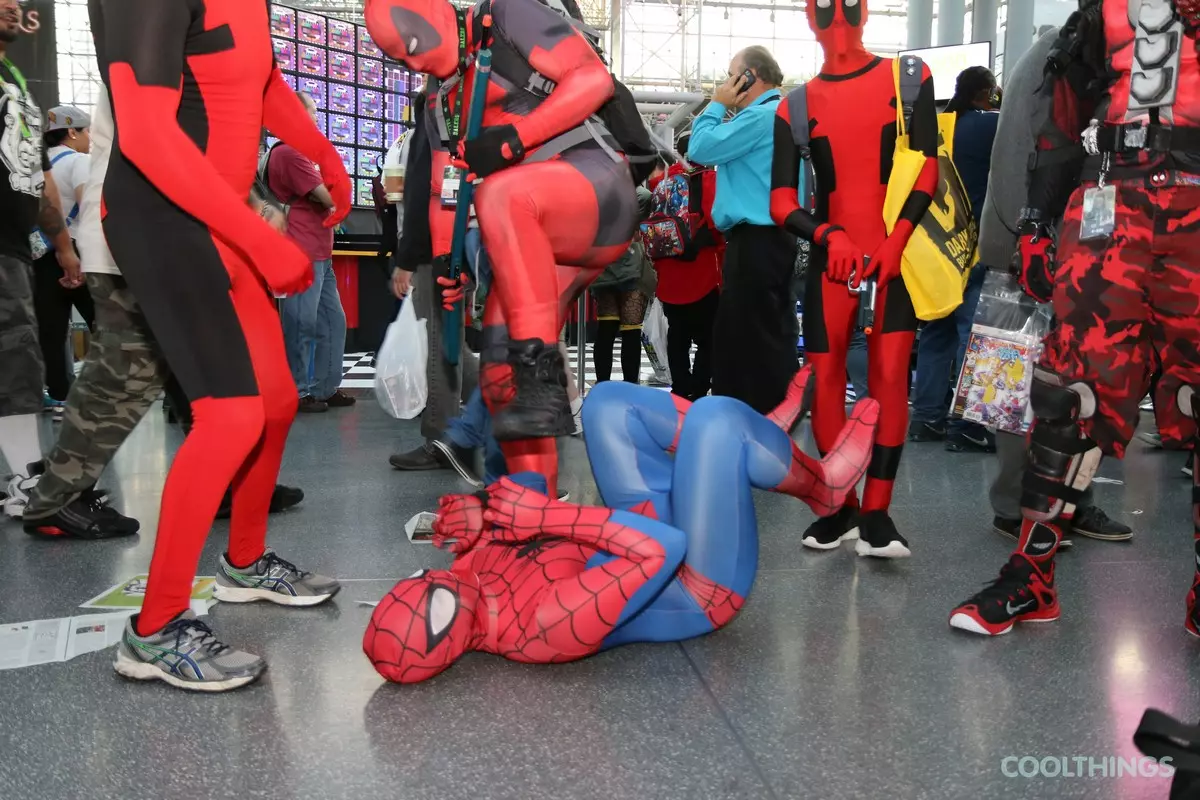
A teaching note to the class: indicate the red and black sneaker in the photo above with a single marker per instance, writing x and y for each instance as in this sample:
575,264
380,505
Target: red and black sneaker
86,517
1022,593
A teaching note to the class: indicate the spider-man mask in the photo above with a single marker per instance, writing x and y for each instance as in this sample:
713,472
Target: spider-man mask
422,626
838,24
421,34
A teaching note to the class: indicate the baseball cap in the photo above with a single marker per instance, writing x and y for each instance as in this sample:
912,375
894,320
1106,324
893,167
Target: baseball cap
61,118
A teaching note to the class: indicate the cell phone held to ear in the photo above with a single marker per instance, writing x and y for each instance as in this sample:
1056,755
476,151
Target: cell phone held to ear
751,79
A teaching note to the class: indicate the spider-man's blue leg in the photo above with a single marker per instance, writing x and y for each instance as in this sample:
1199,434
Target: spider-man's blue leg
628,430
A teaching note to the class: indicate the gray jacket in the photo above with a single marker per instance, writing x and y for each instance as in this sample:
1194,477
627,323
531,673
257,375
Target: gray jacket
1008,184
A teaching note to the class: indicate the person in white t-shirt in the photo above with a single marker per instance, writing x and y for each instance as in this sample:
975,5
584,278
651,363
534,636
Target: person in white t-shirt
67,139
122,376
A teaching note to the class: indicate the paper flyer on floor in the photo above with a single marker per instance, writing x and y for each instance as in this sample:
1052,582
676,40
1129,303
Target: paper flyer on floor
48,641
130,593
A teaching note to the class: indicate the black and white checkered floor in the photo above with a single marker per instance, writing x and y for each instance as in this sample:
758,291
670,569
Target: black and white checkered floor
359,374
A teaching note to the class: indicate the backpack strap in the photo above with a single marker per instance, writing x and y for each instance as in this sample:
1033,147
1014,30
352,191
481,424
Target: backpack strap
912,74
797,100
61,156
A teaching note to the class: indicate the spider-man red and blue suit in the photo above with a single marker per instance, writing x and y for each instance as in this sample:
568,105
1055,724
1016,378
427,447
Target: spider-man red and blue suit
1118,161
673,555
850,127
555,201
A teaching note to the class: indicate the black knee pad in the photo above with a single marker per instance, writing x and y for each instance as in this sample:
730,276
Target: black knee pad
1062,459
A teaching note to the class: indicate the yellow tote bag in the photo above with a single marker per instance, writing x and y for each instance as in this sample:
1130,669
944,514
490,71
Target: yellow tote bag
943,248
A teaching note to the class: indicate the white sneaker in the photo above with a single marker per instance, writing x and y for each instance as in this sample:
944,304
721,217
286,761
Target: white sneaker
18,491
577,412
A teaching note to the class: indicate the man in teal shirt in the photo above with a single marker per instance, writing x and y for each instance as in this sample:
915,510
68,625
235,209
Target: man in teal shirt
754,350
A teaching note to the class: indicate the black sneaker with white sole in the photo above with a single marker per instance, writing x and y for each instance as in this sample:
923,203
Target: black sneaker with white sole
1186,469
1012,529
1093,523
459,459
829,532
878,537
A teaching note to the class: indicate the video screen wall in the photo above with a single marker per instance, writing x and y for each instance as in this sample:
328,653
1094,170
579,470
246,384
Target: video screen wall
364,100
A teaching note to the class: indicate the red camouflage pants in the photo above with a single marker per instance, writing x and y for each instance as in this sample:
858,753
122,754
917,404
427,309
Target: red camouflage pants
1128,303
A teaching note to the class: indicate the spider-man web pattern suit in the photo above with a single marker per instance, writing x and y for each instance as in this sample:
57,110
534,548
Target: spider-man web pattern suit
542,581
851,122
192,84
552,213
1125,302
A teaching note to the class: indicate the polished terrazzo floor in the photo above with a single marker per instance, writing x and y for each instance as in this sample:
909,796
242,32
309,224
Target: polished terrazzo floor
840,679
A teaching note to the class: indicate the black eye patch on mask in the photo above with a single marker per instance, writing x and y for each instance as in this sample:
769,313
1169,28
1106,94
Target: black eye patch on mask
852,13
825,15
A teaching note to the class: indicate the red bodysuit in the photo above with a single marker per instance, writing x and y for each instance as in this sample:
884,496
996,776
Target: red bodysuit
551,218
851,130
192,84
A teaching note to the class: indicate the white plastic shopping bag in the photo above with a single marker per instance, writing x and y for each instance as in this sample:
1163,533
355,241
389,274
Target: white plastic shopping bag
654,341
400,383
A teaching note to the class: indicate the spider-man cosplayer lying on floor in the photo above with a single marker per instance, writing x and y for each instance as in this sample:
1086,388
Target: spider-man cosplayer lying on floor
192,84
541,581
555,207
850,123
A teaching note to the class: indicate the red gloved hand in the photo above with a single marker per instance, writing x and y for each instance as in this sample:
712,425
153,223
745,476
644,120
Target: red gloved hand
282,264
454,291
1033,263
845,258
333,175
886,260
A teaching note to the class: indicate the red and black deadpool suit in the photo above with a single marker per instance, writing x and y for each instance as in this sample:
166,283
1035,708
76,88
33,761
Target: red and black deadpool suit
1126,281
193,82
851,127
556,203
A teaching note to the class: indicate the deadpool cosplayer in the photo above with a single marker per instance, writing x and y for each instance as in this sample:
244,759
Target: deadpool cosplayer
673,556
556,203
849,126
1119,150
192,83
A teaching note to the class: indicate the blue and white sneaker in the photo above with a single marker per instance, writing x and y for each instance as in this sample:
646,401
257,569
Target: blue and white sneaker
52,406
273,579
187,655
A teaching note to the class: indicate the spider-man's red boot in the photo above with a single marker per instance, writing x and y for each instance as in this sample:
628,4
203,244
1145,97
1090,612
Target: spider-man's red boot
1024,592
539,407
798,401
827,484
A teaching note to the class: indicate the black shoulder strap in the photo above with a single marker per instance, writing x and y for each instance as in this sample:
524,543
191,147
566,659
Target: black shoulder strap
797,101
912,74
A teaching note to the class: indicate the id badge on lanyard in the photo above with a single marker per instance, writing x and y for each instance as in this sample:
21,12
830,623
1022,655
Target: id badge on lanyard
451,183
1099,208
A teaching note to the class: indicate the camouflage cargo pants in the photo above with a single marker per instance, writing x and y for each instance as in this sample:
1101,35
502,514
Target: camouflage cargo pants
21,370
122,377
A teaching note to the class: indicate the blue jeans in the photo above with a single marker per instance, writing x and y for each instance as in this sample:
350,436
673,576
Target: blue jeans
472,429
940,353
856,364
314,332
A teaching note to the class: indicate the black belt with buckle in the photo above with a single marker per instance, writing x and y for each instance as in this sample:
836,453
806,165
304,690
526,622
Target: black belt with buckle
1156,138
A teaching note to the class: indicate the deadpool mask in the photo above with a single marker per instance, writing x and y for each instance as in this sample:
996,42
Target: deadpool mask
421,34
838,24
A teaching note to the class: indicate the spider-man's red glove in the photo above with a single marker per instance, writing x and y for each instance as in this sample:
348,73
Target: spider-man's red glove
492,150
886,260
844,257
1189,14
459,523
1033,262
